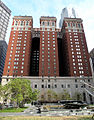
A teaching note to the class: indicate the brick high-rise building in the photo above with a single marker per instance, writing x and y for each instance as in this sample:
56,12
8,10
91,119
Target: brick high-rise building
48,62
45,54
50,58
75,53
19,47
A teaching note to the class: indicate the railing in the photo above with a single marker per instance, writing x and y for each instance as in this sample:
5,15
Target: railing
89,89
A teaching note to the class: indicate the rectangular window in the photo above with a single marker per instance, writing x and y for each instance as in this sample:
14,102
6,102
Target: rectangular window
74,72
8,66
21,23
49,86
76,86
68,86
55,86
62,86
21,71
35,86
69,30
42,86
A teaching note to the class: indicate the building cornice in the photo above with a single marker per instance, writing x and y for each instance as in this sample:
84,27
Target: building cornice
23,17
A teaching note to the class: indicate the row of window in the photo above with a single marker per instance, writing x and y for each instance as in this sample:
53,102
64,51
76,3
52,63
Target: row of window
77,49
15,71
49,35
74,30
48,29
48,45
78,64
21,28
19,34
56,86
48,23
49,32
42,72
21,23
74,25
18,38
80,72
48,38
4,12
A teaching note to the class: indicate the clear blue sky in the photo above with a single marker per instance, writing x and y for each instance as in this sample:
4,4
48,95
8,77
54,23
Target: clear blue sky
37,8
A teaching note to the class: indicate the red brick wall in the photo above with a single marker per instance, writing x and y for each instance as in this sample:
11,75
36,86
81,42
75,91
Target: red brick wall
24,35
48,52
70,42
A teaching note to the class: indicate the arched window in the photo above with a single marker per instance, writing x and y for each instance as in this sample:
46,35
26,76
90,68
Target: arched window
16,22
21,23
26,23
48,23
73,24
43,23
79,25
68,24
53,23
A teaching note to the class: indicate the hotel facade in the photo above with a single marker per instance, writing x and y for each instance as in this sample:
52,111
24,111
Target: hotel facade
52,58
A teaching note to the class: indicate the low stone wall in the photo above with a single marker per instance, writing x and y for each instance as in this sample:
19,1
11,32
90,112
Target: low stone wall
72,85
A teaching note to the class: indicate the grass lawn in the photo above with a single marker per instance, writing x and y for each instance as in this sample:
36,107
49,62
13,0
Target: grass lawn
13,110
47,118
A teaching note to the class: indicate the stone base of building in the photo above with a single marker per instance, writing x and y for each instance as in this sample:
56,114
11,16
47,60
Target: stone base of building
77,88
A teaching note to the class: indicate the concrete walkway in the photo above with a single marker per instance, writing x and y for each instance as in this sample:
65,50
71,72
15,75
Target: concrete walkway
32,111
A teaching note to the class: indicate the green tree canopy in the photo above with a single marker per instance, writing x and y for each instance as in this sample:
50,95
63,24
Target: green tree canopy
65,95
19,90
4,93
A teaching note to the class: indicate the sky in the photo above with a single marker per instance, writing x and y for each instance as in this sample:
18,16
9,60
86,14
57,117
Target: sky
38,8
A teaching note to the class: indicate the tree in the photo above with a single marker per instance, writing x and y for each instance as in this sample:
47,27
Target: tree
21,91
4,93
65,95
34,95
55,96
77,96
52,96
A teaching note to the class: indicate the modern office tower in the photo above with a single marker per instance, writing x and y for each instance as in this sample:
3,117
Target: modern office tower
4,19
3,50
75,53
19,47
67,12
92,57
48,61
